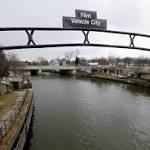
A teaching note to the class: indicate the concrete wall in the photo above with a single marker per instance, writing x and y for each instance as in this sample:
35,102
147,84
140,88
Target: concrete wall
3,88
145,76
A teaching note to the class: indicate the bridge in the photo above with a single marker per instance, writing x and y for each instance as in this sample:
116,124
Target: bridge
39,69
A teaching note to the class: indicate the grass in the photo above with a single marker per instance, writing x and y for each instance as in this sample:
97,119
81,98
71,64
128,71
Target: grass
6,101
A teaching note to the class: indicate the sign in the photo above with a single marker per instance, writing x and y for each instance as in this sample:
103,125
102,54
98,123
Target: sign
85,20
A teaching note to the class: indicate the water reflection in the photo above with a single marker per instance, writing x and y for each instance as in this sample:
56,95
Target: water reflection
138,90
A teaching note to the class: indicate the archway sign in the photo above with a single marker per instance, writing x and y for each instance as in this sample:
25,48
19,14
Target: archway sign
84,21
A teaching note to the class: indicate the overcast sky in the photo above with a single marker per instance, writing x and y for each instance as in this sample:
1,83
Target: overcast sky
122,15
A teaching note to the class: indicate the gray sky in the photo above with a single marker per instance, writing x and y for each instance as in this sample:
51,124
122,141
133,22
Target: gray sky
123,15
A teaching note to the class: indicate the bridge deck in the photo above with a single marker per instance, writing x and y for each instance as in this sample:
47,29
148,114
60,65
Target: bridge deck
50,68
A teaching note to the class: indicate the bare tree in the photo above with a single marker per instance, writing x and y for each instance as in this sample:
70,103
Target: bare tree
76,53
127,60
76,57
4,66
83,61
14,63
42,61
69,56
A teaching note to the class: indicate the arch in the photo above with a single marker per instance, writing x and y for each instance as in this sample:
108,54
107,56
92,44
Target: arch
32,44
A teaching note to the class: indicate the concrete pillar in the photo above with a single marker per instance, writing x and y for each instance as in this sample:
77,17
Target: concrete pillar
99,71
74,71
39,71
102,71
107,71
116,73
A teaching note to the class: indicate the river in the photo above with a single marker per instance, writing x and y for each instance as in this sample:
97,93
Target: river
84,114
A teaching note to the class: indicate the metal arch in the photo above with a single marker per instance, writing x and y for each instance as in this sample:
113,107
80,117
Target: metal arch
31,43
71,45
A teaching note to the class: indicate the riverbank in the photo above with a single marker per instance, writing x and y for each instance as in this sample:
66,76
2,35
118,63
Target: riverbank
122,80
16,120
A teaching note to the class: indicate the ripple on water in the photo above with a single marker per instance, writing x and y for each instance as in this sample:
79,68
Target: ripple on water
84,115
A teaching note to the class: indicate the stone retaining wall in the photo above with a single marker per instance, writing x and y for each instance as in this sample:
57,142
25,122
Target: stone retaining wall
7,120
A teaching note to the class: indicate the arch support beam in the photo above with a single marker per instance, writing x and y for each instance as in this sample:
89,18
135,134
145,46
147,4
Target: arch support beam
132,37
86,37
30,37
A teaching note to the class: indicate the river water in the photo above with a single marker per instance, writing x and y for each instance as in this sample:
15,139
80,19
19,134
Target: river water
79,114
